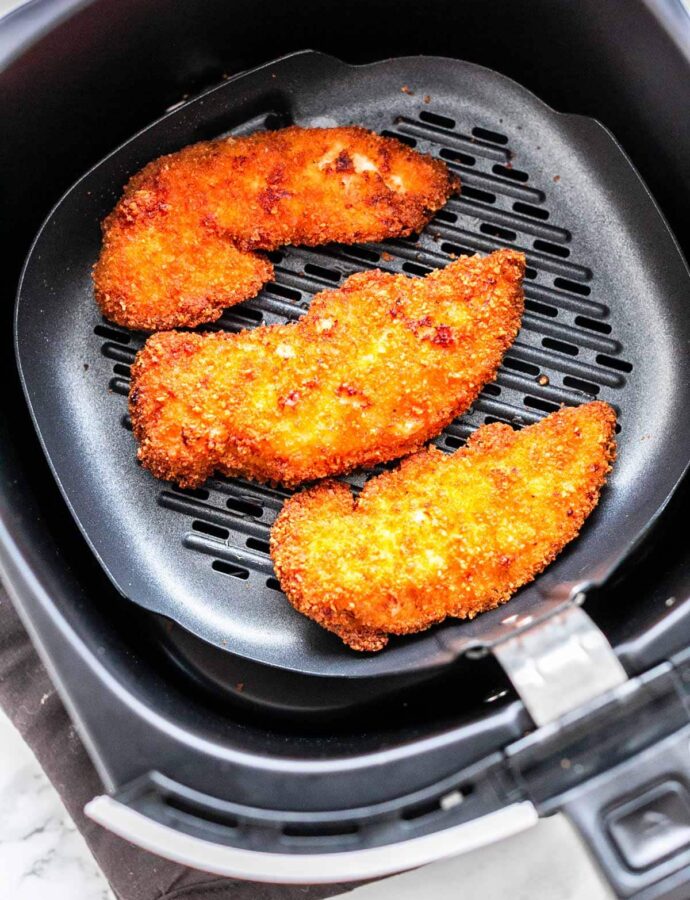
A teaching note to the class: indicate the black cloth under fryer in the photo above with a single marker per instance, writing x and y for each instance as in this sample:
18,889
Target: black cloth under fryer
31,702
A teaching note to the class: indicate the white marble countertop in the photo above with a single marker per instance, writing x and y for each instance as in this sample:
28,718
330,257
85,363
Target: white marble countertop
42,855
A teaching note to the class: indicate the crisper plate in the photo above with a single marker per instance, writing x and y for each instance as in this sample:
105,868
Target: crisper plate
606,316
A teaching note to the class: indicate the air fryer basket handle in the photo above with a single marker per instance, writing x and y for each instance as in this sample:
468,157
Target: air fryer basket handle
612,753
618,766
636,821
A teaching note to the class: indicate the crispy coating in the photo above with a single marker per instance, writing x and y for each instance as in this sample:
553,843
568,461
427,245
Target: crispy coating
371,372
178,247
443,535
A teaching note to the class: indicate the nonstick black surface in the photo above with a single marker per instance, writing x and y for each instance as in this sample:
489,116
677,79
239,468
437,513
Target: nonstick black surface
606,317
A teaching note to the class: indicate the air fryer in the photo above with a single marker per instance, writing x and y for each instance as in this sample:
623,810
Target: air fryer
290,758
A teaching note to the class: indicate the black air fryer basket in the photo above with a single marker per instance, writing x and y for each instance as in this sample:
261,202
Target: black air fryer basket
256,744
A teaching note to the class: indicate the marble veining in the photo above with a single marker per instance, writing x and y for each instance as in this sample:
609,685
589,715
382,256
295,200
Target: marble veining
42,855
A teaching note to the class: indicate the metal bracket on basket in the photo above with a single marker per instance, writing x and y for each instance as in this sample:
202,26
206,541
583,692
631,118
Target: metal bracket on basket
559,663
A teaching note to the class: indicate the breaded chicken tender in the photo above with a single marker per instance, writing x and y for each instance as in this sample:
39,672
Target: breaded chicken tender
443,535
371,372
178,247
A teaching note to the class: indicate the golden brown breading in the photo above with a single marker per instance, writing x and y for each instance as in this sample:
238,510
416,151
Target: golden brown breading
177,248
443,535
371,372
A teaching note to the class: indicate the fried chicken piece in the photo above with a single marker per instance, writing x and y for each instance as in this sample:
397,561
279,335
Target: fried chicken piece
178,247
443,535
371,372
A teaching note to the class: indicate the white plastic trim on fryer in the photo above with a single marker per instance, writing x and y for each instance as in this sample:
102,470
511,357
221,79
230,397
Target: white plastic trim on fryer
300,868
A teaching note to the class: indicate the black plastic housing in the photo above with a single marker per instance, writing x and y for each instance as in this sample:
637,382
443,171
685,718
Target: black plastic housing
78,78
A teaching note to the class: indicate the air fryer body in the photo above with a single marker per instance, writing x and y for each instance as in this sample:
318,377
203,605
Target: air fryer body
184,736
